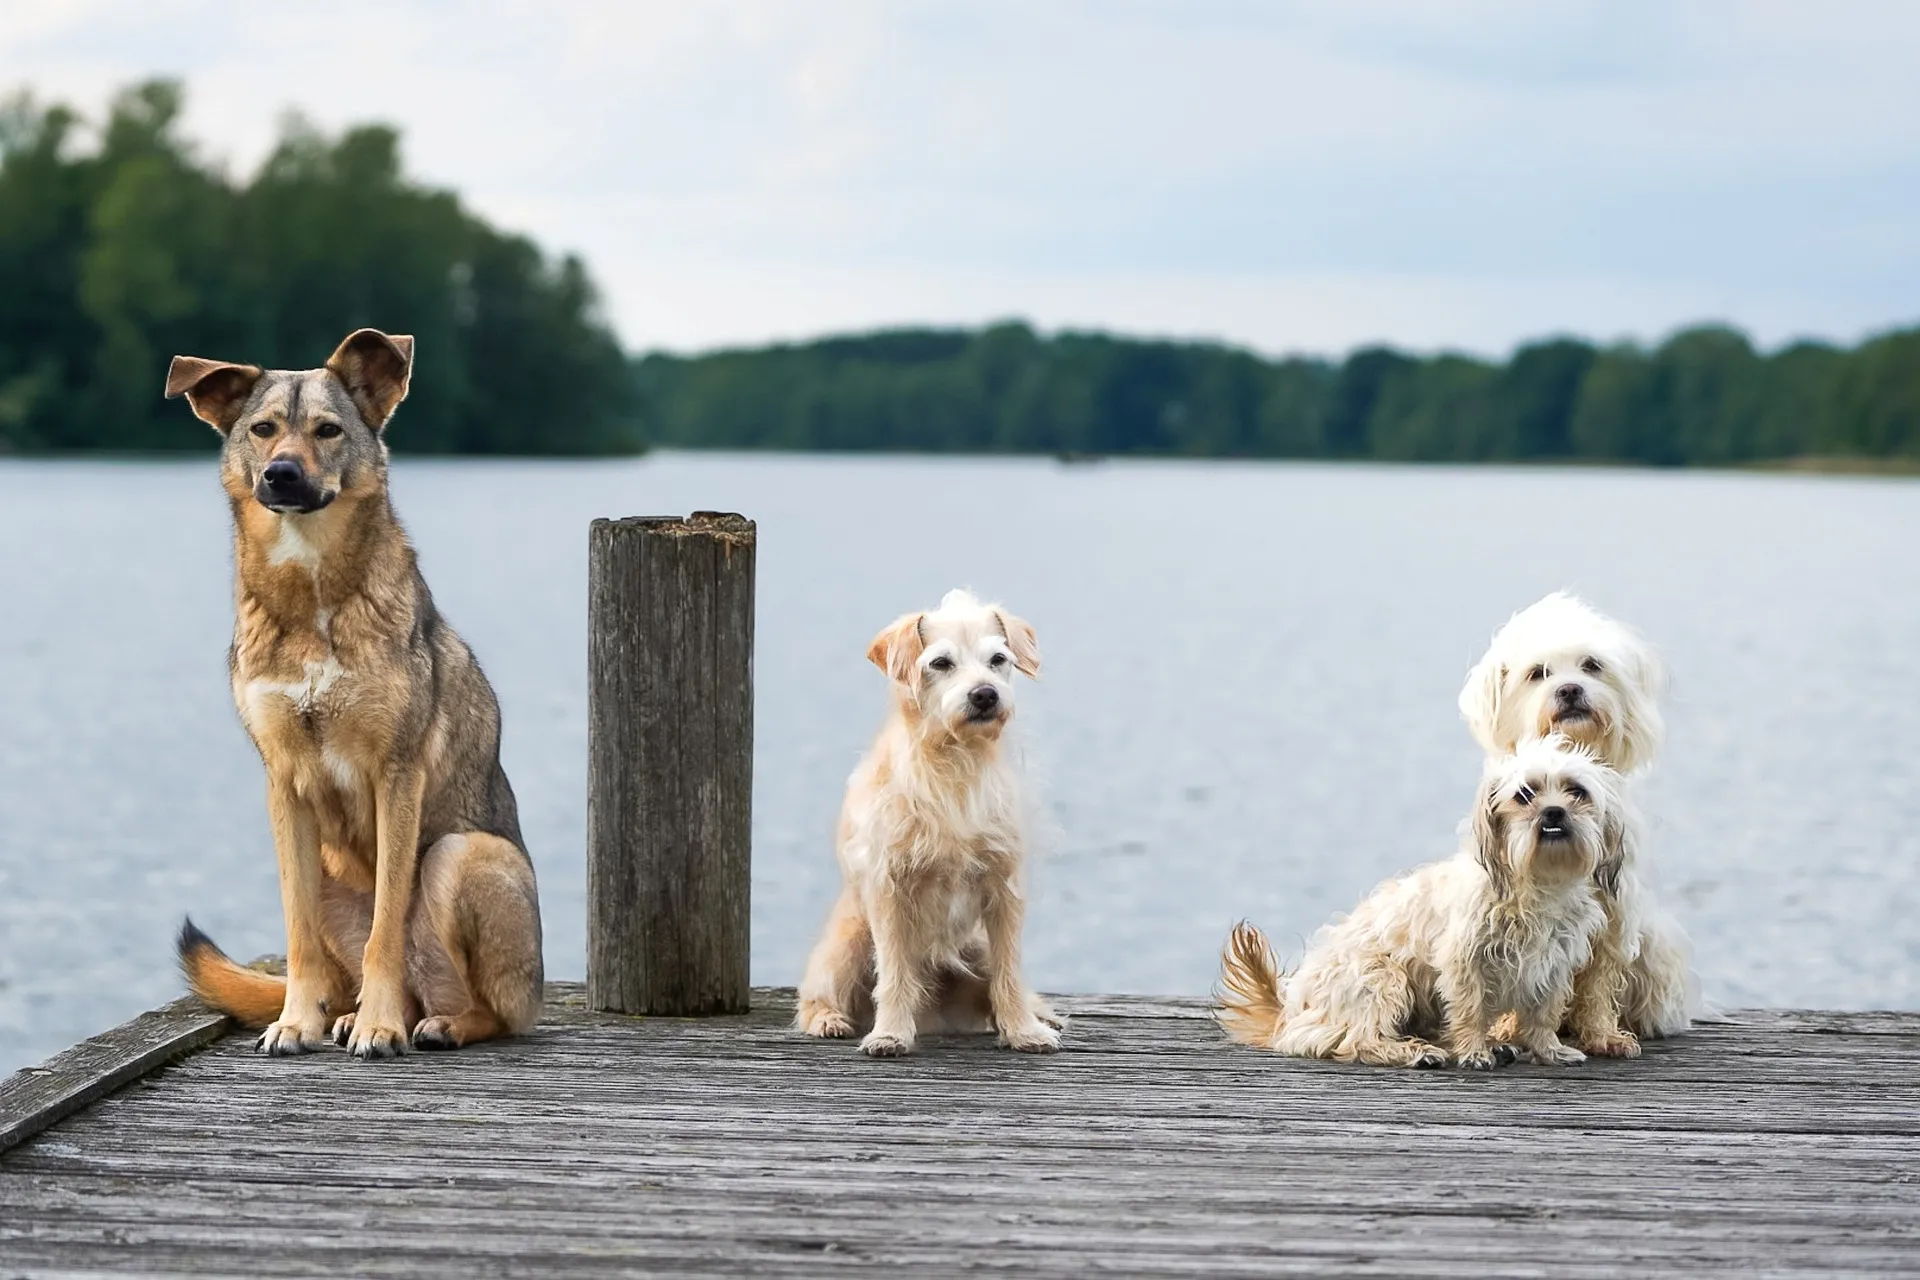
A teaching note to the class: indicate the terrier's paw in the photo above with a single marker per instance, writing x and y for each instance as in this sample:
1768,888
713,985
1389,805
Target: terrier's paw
880,1044
1558,1055
371,1039
1618,1044
435,1033
1035,1037
1422,1056
828,1024
1505,1055
285,1039
1482,1059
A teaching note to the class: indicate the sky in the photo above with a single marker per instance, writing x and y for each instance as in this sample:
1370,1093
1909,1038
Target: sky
1460,174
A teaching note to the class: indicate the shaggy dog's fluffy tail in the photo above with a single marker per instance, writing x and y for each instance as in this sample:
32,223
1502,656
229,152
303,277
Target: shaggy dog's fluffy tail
248,996
1249,998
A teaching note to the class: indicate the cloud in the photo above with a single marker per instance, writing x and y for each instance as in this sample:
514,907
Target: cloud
1289,175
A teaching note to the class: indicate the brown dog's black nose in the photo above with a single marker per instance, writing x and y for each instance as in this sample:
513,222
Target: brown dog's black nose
283,473
1571,694
984,697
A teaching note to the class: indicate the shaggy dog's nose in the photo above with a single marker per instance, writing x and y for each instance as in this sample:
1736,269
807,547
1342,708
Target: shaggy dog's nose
1571,695
283,473
984,697
1553,816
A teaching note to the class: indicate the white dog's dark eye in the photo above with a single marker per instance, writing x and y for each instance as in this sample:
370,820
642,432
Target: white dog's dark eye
997,660
942,663
1536,673
1577,791
1591,666
1524,795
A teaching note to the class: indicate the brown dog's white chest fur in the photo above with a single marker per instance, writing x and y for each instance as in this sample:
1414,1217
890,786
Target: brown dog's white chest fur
313,674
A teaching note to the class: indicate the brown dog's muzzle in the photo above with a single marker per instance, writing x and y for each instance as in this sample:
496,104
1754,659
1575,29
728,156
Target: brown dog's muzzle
285,487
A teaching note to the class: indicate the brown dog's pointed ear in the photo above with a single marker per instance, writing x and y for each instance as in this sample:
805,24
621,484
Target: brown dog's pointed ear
897,650
216,390
375,369
1025,645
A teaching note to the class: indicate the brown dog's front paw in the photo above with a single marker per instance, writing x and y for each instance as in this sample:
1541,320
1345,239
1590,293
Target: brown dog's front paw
1036,1037
342,1030
370,1039
1617,1044
285,1039
434,1034
882,1045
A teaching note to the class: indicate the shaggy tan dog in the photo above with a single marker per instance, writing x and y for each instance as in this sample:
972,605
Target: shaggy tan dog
1442,951
931,846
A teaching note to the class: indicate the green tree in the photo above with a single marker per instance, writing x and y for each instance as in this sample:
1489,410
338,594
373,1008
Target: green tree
119,258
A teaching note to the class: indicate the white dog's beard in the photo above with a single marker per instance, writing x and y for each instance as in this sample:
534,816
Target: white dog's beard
1563,859
1588,724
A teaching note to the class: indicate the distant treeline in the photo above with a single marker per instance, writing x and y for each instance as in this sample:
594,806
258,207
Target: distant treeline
1703,396
120,248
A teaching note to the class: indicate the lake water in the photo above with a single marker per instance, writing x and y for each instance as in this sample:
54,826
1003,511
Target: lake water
1247,707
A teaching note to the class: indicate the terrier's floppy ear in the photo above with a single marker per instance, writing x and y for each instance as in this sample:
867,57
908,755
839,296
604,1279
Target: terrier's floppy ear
375,368
1025,646
897,650
1618,836
1490,839
216,390
1480,703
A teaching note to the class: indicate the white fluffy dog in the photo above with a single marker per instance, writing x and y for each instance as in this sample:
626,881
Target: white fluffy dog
1444,950
931,846
1561,667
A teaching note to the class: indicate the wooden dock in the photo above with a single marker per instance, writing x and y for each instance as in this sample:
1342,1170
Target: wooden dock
610,1145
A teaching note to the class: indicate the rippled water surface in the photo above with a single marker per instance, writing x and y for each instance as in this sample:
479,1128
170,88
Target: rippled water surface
1247,707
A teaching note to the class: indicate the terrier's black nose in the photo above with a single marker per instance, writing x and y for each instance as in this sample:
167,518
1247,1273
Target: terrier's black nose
1553,816
984,697
282,473
1570,693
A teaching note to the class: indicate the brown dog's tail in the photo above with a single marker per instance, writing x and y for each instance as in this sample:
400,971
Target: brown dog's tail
248,996
1249,998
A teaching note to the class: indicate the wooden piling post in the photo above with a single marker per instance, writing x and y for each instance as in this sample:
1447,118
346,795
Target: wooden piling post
669,763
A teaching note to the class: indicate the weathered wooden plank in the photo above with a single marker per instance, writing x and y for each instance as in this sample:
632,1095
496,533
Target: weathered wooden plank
610,1145
36,1097
669,763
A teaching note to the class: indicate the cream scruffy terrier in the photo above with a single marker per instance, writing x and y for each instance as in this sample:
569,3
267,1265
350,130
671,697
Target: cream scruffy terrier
932,845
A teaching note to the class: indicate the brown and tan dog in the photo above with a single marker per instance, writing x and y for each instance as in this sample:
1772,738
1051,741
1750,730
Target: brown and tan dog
411,912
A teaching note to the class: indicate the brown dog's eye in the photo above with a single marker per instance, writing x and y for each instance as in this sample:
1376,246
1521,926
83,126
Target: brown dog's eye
262,429
1577,791
327,430
1591,666
1536,673
942,664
